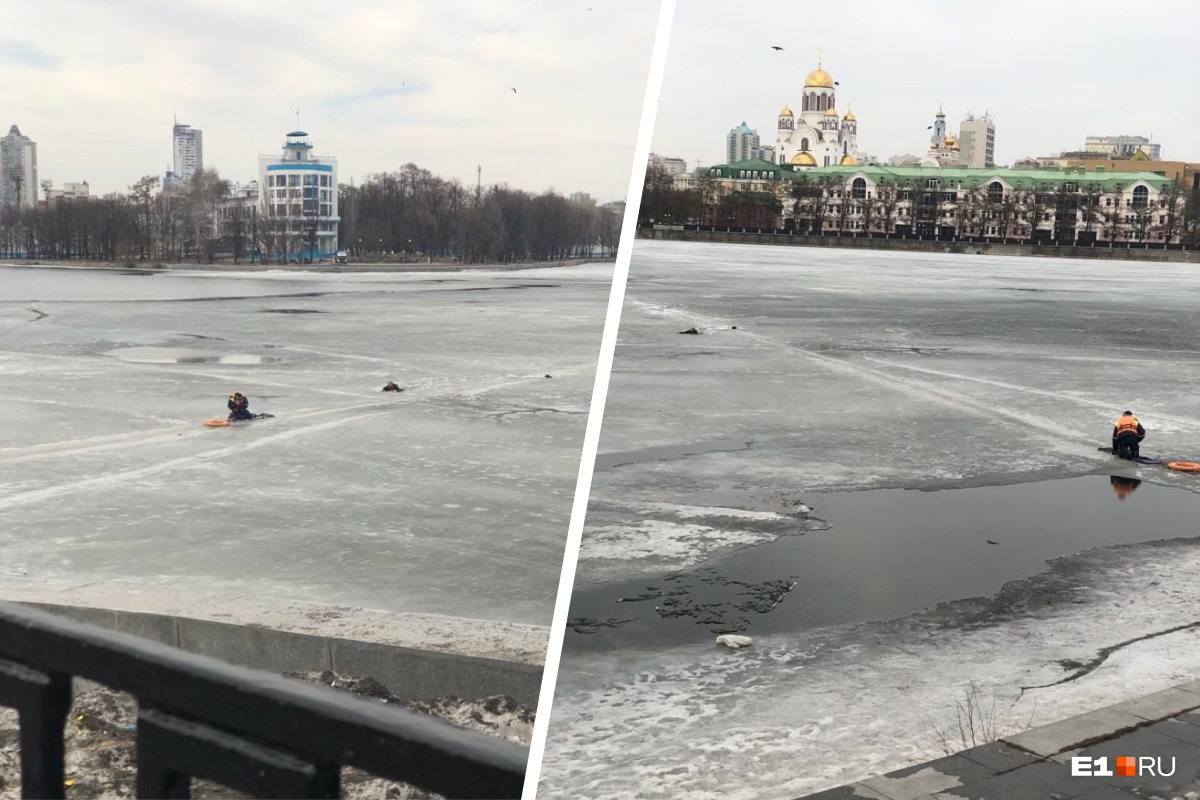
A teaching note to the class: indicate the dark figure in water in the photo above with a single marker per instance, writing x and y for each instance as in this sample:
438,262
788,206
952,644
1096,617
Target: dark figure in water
239,406
392,387
1127,437
1123,487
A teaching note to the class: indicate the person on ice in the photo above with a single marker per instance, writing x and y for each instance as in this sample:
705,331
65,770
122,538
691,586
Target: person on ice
1127,437
239,406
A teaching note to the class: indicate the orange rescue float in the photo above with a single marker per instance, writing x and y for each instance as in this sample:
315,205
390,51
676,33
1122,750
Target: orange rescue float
1184,466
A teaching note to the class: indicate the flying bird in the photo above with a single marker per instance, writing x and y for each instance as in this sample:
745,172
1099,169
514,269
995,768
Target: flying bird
928,127
837,83
776,47
989,541
513,90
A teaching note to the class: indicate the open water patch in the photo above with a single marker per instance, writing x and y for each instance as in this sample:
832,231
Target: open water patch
886,554
179,355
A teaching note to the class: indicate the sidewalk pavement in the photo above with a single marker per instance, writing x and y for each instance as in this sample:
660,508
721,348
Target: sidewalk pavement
1163,729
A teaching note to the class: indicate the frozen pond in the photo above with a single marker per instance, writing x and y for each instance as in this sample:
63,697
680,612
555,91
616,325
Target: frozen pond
760,476
450,498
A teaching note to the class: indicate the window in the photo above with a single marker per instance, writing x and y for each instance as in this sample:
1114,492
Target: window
931,183
325,210
1141,196
324,180
858,189
804,145
293,180
1070,187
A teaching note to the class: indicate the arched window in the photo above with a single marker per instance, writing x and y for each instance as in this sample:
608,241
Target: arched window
845,148
995,192
804,103
1141,196
858,189
804,145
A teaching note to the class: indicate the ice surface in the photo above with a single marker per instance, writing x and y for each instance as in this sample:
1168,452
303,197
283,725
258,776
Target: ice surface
452,497
864,370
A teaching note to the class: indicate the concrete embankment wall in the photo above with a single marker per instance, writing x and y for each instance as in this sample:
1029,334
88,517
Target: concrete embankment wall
918,246
409,673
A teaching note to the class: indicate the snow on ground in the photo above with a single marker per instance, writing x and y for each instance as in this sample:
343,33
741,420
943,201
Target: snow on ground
349,496
853,371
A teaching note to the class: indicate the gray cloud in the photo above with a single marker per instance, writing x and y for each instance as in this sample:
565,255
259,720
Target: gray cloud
378,83
1050,73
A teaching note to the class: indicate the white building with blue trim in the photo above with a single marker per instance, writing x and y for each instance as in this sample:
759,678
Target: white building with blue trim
298,198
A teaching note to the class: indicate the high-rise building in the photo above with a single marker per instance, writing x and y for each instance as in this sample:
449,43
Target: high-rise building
18,170
742,144
187,145
298,194
1123,146
977,142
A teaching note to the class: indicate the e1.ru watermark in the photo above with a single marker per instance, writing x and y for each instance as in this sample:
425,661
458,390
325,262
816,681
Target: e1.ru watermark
1126,767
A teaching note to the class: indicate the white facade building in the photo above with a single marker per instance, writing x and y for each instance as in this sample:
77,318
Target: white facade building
68,191
819,137
18,170
668,164
1123,146
977,142
187,145
298,194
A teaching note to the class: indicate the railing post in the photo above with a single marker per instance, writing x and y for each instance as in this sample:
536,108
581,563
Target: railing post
42,700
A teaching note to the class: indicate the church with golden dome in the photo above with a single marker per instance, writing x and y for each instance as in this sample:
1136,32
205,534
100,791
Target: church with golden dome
819,136
944,149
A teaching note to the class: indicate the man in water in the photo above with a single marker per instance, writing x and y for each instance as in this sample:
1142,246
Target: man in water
1127,437
239,407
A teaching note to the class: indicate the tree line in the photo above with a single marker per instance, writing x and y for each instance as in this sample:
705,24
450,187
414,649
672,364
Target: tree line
406,213
413,211
807,203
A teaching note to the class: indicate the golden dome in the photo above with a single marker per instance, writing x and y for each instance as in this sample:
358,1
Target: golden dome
803,160
950,142
940,112
818,78
829,112
785,112
850,117
848,161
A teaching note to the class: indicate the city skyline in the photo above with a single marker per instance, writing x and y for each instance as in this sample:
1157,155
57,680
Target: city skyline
896,64
378,85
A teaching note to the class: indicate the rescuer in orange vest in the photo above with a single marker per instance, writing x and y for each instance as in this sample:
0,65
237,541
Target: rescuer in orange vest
1127,436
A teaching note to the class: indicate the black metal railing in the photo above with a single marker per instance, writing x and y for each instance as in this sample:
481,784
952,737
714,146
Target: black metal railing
252,731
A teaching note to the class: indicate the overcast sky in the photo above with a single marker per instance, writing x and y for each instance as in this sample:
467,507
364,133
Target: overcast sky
1051,73
379,83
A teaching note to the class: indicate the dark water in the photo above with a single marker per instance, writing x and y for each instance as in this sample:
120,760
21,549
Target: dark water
181,355
887,554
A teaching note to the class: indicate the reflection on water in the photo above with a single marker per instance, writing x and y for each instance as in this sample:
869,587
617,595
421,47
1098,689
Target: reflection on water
887,554
1123,487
